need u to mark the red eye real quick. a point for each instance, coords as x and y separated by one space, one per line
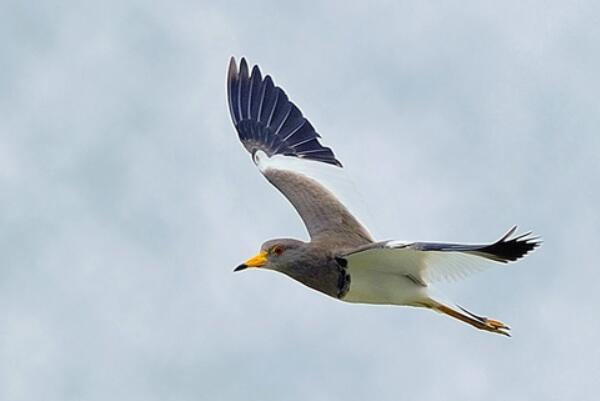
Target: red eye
277 250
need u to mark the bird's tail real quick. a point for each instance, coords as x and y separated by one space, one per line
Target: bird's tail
479 322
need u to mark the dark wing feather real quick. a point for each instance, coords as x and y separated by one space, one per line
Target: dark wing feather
267 120
506 249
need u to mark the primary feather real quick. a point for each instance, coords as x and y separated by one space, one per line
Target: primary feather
267 120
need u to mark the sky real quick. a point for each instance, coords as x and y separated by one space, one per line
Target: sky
126 199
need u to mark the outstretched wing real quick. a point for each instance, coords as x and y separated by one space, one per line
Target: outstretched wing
428 262
286 148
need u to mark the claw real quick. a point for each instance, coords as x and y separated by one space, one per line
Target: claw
495 324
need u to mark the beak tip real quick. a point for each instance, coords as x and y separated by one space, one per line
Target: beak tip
240 267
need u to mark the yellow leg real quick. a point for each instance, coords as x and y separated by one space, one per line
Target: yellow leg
479 322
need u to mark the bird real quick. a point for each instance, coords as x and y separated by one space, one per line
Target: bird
342 259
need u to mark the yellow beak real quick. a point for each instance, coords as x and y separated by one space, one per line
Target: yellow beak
256 261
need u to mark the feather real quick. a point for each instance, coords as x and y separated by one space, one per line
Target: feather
267 120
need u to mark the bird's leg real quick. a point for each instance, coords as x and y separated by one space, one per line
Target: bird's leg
479 322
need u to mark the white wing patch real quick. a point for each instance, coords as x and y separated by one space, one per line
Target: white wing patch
428 262
401 258
445 266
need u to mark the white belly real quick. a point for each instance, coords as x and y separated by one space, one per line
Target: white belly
370 286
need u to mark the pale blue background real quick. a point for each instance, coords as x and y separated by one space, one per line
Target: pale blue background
126 199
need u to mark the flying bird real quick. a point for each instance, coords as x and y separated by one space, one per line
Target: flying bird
342 259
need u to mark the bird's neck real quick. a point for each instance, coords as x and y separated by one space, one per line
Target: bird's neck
318 272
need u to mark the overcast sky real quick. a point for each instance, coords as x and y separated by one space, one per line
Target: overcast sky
126 199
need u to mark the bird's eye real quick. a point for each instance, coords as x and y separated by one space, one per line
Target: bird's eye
277 250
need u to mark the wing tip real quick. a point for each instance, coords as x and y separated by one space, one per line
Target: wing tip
232 71
256 73
269 135
231 83
511 247
243 72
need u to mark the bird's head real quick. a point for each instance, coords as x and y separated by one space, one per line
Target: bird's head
276 254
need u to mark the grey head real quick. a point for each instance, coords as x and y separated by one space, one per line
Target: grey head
277 254
305 262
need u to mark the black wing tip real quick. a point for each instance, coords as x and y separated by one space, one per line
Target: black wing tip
232 66
267 120
243 72
512 247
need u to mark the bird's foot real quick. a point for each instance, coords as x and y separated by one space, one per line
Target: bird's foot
496 326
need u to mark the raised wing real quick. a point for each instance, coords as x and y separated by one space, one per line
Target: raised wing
285 147
427 262
266 120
